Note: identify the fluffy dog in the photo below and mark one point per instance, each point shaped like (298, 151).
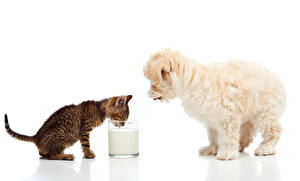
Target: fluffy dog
(234, 100)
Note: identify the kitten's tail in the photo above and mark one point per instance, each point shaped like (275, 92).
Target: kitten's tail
(17, 135)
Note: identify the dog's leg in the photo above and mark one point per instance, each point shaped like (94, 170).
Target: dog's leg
(212, 148)
(228, 139)
(247, 133)
(271, 133)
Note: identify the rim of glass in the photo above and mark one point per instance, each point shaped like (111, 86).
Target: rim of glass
(130, 119)
(117, 121)
(122, 121)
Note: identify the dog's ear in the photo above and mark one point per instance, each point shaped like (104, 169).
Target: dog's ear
(169, 63)
(160, 65)
(162, 71)
(152, 70)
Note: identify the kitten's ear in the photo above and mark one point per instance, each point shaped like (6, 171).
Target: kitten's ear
(120, 101)
(128, 98)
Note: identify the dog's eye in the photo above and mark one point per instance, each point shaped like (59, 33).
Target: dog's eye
(153, 87)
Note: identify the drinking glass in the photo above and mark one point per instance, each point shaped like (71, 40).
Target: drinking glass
(123, 138)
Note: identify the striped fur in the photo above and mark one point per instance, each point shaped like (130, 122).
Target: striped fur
(17, 135)
(72, 123)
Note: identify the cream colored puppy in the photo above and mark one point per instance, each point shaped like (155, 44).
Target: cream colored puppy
(234, 100)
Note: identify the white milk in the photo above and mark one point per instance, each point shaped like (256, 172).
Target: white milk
(123, 141)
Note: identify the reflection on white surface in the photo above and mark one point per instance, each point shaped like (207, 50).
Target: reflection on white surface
(119, 169)
(124, 169)
(246, 168)
(62, 171)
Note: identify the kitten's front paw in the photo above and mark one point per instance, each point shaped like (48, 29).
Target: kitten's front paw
(228, 155)
(89, 155)
(208, 150)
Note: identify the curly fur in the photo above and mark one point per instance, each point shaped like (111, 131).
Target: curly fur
(234, 100)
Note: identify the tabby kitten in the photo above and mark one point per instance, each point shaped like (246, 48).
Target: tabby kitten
(72, 123)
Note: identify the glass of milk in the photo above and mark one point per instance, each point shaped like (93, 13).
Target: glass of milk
(123, 138)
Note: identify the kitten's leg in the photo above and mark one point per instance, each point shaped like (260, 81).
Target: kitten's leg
(212, 148)
(61, 157)
(271, 134)
(56, 153)
(85, 145)
(247, 134)
(228, 139)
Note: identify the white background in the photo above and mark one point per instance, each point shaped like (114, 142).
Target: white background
(55, 53)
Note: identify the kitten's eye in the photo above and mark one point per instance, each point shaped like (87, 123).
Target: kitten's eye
(120, 102)
(119, 105)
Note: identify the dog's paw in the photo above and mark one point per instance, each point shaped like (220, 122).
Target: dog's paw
(241, 149)
(264, 150)
(208, 150)
(228, 155)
